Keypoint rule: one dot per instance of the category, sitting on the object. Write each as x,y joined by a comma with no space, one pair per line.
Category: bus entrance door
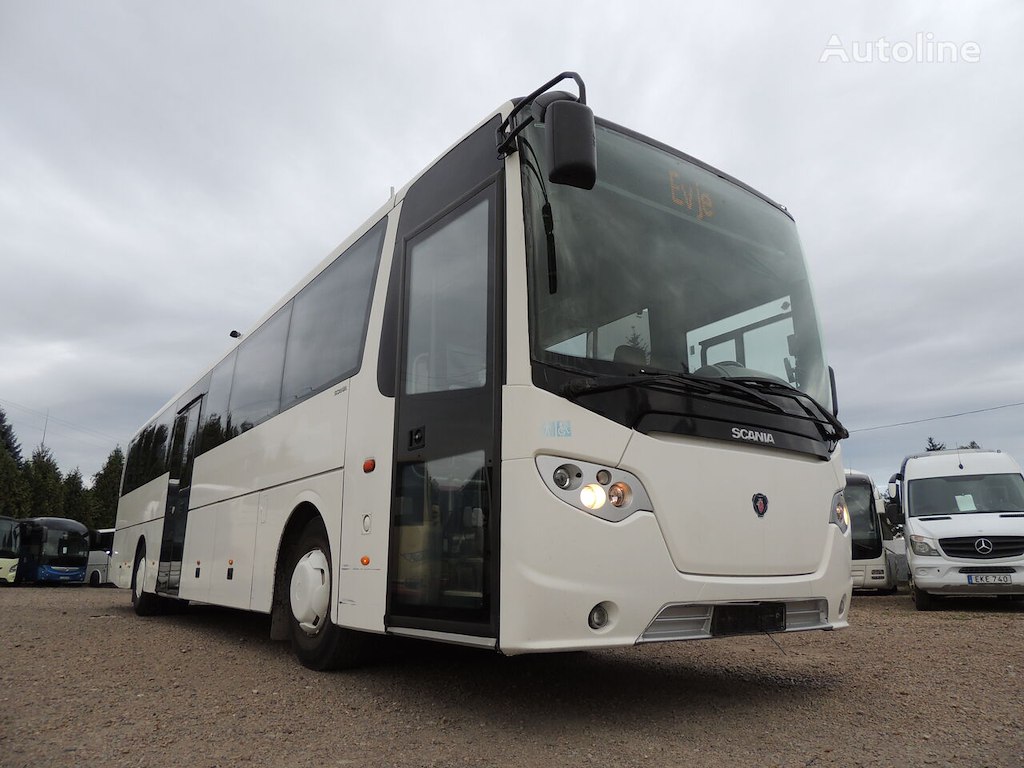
172,544
445,446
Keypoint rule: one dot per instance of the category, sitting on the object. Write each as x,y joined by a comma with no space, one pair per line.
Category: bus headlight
839,514
592,496
924,546
606,492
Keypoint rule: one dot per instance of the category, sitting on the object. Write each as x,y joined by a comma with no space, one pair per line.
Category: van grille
968,546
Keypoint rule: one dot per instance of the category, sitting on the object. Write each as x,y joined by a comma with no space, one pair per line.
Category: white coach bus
565,390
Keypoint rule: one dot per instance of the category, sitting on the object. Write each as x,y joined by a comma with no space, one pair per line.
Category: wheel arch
304,512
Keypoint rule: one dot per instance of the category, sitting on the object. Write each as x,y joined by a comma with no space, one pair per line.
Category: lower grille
988,569
692,621
983,547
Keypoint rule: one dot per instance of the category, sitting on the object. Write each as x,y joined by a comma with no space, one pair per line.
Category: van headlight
839,514
924,546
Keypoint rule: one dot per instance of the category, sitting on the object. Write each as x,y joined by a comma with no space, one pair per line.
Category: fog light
598,616
593,496
619,495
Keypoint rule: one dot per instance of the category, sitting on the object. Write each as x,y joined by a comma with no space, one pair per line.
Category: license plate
748,619
989,578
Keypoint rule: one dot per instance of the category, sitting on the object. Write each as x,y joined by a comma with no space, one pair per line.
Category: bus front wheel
317,642
144,603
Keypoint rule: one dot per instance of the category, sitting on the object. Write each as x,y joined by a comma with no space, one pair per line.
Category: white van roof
957,462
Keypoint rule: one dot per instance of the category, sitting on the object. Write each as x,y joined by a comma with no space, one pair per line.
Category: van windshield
966,494
867,532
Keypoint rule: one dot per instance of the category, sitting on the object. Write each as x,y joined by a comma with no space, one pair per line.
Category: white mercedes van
963,517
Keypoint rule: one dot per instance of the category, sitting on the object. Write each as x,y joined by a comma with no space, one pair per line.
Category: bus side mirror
893,512
572,144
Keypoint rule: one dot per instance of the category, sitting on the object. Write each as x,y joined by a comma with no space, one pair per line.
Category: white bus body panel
140,516
558,562
366,512
941,575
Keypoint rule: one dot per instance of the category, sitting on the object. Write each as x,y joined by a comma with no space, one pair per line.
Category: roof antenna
959,458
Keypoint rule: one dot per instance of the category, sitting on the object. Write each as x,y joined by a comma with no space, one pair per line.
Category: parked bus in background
10,543
53,549
963,520
565,390
97,571
870,568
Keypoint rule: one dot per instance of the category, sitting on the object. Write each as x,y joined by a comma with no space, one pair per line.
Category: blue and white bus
566,389
53,550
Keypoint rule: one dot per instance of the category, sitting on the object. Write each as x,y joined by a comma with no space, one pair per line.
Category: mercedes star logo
983,546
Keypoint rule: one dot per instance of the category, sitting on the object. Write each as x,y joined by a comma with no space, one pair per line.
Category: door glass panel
447,318
441,524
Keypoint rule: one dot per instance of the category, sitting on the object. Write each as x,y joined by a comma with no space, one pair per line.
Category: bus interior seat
629,355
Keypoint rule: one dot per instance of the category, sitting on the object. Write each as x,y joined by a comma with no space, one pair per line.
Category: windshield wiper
675,381
818,413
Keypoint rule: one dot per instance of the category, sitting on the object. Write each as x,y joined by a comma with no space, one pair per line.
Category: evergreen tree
13,488
972,444
8,440
934,446
106,487
77,500
45,485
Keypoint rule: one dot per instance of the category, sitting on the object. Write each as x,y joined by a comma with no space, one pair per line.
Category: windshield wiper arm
678,381
839,432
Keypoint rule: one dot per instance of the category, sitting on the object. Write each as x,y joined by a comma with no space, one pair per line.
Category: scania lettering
748,434
499,414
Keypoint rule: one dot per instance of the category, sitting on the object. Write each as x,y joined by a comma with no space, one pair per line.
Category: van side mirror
572,144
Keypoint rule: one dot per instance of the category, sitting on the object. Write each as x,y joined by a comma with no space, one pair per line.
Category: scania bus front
671,466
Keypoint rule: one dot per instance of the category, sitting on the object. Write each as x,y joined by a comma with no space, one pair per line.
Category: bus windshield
665,265
9,538
967,494
66,548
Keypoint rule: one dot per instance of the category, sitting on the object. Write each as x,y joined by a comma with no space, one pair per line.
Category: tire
94,579
316,641
923,601
144,603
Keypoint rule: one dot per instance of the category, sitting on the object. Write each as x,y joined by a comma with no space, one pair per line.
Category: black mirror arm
506,137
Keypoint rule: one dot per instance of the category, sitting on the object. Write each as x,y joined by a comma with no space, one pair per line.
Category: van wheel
316,641
144,603
94,579
923,601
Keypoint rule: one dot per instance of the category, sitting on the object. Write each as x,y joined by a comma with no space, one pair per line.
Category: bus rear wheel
144,603
317,642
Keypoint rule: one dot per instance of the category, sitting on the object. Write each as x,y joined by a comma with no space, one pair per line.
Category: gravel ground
87,683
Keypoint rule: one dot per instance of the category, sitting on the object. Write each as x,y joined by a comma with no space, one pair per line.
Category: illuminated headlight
924,546
593,496
839,515
606,492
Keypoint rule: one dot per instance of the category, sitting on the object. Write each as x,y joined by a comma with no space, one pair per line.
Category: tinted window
328,326
256,389
216,420
447,323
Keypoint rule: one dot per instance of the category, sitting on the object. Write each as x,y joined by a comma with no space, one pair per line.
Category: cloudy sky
168,170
